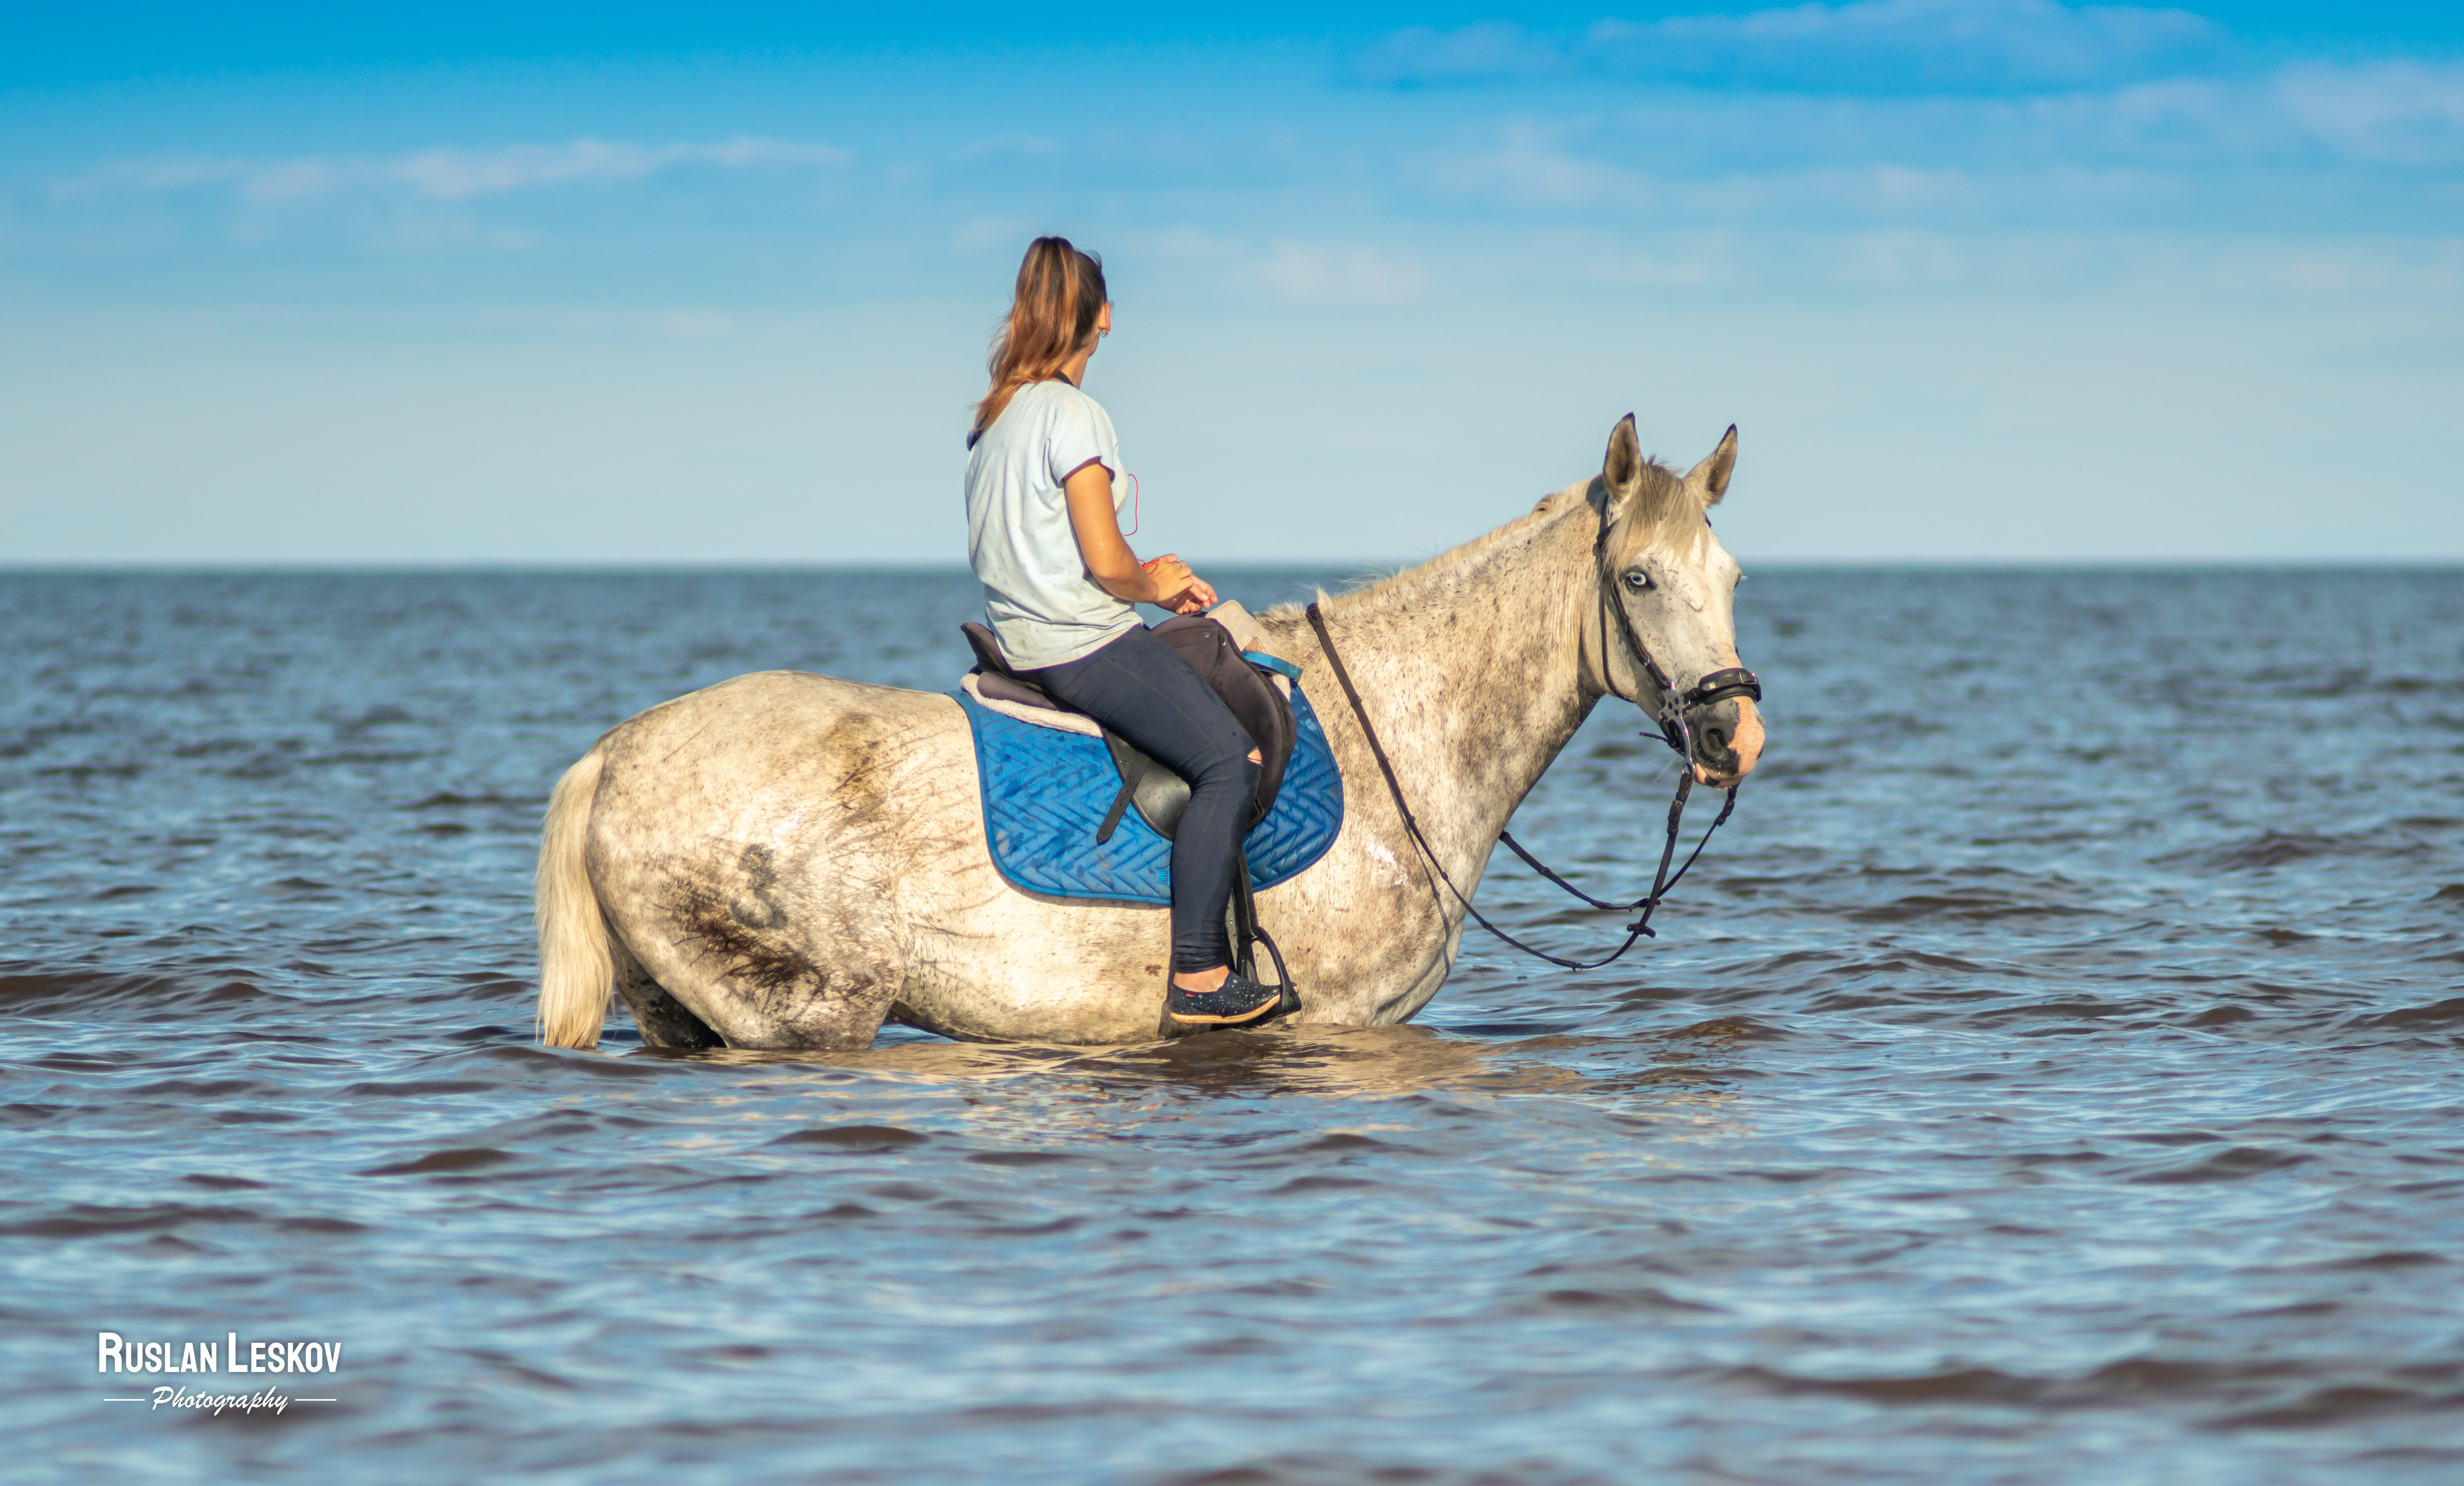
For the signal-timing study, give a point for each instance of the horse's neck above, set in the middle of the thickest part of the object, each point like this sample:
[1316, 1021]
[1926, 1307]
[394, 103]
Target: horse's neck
[1472, 672]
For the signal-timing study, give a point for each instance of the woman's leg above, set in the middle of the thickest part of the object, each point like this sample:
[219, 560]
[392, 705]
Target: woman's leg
[1139, 689]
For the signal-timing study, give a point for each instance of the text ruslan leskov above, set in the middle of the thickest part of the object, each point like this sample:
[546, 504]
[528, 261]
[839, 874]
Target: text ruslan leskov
[117, 1354]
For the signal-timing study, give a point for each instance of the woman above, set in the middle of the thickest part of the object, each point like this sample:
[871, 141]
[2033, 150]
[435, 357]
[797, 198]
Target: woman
[1044, 532]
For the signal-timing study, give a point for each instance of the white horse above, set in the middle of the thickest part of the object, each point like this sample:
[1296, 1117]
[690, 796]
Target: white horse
[787, 860]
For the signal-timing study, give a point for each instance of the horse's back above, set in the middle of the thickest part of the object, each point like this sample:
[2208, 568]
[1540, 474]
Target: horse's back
[756, 736]
[818, 775]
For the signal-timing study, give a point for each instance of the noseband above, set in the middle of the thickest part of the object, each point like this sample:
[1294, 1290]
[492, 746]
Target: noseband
[1670, 712]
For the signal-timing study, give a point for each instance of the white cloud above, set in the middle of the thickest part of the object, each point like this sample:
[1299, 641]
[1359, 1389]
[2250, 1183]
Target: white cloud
[998, 230]
[431, 230]
[1579, 170]
[1420, 56]
[451, 174]
[1901, 259]
[1530, 167]
[1870, 46]
[1281, 271]
[1032, 147]
[459, 174]
[1308, 274]
[2399, 112]
[2416, 273]
[2175, 152]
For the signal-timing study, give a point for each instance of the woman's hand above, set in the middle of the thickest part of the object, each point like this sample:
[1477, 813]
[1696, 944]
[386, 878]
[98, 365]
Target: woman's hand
[1165, 582]
[1186, 593]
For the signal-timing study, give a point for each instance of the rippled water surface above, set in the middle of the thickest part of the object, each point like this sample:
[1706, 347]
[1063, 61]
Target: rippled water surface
[2051, 1074]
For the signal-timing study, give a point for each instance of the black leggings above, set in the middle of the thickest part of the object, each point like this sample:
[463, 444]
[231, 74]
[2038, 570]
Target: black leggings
[1139, 689]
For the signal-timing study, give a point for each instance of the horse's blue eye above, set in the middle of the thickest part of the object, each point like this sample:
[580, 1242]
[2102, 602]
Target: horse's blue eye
[1638, 580]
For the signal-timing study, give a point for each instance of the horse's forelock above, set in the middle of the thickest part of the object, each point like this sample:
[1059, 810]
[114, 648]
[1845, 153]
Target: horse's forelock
[1665, 513]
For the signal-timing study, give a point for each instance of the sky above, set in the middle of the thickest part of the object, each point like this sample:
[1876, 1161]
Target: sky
[1998, 280]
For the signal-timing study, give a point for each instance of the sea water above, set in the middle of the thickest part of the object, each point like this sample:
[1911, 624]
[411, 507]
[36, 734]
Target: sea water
[2052, 1073]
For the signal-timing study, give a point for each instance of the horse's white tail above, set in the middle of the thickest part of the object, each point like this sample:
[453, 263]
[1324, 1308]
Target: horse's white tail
[576, 974]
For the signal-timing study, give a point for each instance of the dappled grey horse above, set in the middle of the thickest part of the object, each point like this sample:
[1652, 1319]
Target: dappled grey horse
[788, 860]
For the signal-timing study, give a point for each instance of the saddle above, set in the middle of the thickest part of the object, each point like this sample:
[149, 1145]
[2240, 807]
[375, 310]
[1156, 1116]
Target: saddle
[1159, 795]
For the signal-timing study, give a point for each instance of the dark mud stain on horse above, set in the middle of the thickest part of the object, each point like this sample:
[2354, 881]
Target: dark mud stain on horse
[761, 874]
[853, 751]
[713, 920]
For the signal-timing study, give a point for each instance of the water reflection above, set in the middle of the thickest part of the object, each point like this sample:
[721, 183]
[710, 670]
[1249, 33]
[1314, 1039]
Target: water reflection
[1365, 1062]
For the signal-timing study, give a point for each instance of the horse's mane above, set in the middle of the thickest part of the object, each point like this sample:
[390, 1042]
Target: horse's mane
[1550, 505]
[1663, 515]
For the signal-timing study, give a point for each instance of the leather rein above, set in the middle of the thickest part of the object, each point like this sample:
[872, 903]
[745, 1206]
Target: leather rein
[1668, 711]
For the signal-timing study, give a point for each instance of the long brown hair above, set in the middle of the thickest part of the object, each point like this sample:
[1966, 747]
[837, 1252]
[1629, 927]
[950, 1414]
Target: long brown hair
[1051, 319]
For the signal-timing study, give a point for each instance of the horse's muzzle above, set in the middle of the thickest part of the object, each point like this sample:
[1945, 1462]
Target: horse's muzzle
[1727, 741]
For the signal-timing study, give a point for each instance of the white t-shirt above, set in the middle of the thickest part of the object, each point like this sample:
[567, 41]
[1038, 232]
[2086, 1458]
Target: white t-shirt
[1037, 594]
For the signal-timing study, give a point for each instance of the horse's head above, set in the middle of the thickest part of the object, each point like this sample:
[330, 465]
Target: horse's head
[1666, 627]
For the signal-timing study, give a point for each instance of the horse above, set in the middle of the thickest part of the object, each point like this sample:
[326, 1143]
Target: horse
[787, 860]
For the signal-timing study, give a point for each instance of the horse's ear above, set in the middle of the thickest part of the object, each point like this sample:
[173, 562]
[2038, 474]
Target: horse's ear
[1621, 472]
[1708, 481]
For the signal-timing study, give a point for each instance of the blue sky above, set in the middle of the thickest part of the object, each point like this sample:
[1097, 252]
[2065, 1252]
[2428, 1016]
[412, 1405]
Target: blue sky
[1997, 280]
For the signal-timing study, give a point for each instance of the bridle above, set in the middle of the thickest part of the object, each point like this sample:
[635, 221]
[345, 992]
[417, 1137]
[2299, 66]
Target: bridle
[1667, 708]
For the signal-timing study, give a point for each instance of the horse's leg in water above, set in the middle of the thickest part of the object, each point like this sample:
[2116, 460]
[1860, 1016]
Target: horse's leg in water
[757, 944]
[663, 1019]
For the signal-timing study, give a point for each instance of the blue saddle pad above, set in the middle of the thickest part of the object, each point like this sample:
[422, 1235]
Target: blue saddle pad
[1046, 794]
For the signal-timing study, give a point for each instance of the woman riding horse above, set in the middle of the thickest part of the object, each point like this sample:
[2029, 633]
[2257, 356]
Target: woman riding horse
[1044, 532]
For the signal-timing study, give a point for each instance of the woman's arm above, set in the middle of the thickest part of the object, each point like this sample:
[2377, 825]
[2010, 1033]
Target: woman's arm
[1166, 582]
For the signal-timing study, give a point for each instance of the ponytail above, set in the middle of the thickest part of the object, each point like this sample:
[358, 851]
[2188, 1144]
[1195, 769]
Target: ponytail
[1051, 319]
